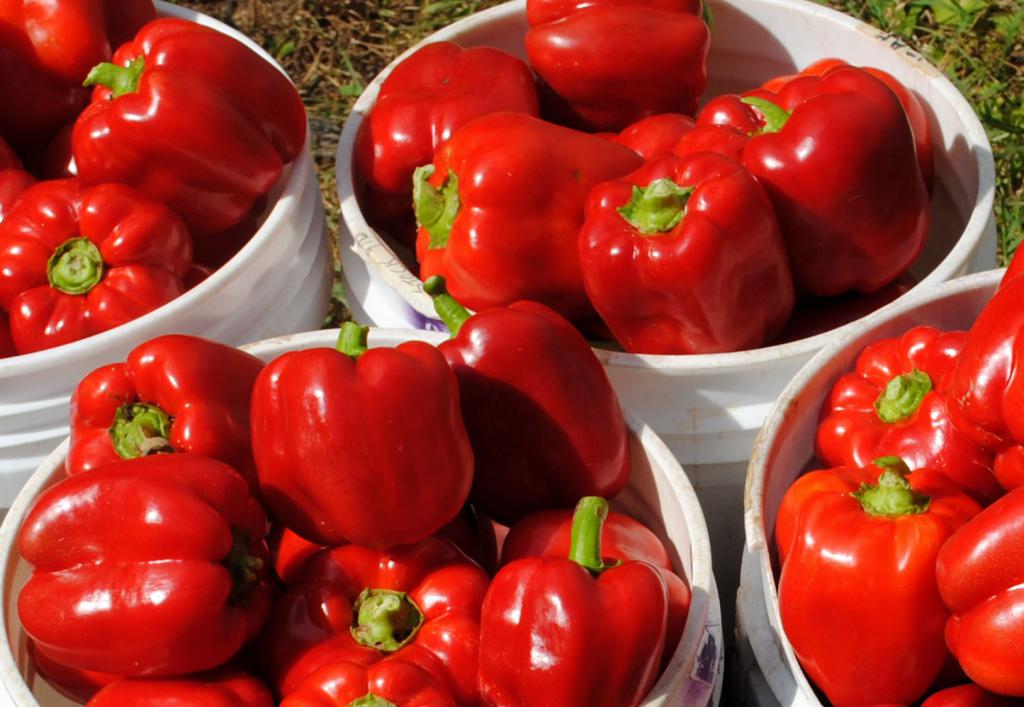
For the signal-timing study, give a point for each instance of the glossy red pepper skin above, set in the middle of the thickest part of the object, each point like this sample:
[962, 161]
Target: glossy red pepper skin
[400, 683]
[139, 248]
[980, 571]
[421, 104]
[968, 696]
[843, 479]
[146, 591]
[202, 387]
[522, 184]
[894, 404]
[46, 52]
[849, 223]
[548, 534]
[985, 392]
[207, 128]
[323, 434]
[541, 439]
[311, 624]
[858, 595]
[678, 286]
[911, 106]
[228, 688]
[609, 63]
[655, 137]
[603, 650]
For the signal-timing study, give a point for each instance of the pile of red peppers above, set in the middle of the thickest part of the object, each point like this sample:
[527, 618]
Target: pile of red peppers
[326, 528]
[600, 189]
[136, 156]
[902, 560]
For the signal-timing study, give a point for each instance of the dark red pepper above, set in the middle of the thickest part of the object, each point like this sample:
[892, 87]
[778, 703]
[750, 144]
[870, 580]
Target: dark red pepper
[431, 94]
[684, 256]
[389, 683]
[158, 569]
[324, 429]
[224, 688]
[501, 207]
[837, 158]
[911, 105]
[655, 137]
[968, 696]
[76, 262]
[541, 439]
[420, 603]
[894, 404]
[607, 63]
[192, 118]
[549, 534]
[47, 49]
[174, 393]
[603, 649]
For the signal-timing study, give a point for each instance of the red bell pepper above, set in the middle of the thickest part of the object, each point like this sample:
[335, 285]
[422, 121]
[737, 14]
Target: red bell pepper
[684, 256]
[858, 595]
[192, 118]
[843, 479]
[501, 207]
[76, 262]
[420, 603]
[361, 446]
[894, 404]
[608, 63]
[986, 396]
[723, 139]
[389, 683]
[157, 570]
[604, 647]
[226, 688]
[911, 106]
[980, 572]
[430, 95]
[837, 157]
[541, 439]
[655, 137]
[46, 51]
[470, 532]
[549, 534]
[174, 394]
[968, 696]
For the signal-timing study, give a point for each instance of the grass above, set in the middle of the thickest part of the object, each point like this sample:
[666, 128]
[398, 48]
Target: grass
[332, 48]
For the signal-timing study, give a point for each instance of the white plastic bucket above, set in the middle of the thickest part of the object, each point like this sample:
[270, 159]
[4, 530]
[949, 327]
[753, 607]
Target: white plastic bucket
[280, 282]
[709, 408]
[659, 495]
[782, 451]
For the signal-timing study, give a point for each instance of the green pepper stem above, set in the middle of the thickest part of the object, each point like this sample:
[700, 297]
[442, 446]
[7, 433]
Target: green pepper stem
[902, 396]
[371, 700]
[775, 117]
[120, 80]
[75, 267]
[139, 430]
[244, 568]
[891, 497]
[585, 538]
[385, 619]
[657, 208]
[453, 314]
[352, 339]
[436, 209]
[892, 463]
